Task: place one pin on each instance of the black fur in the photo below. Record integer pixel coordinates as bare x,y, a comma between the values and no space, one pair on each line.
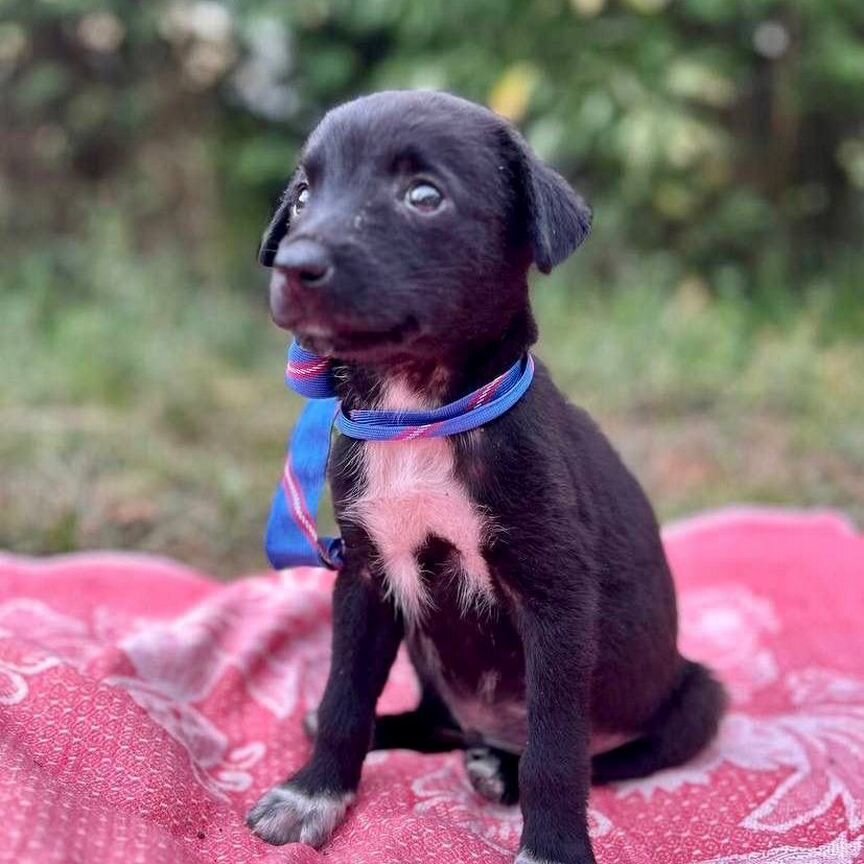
583,629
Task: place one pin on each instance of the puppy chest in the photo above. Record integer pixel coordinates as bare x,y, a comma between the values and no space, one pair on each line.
411,493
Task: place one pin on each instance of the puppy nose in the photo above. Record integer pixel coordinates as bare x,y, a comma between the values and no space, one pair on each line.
305,261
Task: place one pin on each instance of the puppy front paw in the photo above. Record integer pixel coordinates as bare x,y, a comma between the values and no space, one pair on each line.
286,814
525,857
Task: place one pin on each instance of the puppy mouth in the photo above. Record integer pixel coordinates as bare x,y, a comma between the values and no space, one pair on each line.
353,342
317,328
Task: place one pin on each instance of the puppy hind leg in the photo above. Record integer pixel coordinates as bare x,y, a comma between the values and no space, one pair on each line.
682,727
429,728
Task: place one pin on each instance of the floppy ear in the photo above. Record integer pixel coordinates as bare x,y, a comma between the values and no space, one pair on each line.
276,230
559,220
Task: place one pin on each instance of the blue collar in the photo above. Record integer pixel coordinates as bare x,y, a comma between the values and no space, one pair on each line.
292,538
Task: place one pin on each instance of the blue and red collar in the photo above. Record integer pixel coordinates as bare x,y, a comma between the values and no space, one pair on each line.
292,535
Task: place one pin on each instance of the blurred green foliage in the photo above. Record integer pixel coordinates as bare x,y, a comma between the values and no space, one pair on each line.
142,408
724,136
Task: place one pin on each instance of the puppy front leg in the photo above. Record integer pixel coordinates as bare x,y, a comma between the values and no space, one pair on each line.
555,769
366,635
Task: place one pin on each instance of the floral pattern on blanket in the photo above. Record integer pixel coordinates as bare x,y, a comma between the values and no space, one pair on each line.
138,695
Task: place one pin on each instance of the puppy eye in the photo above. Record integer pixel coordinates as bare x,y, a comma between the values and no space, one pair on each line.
424,197
300,201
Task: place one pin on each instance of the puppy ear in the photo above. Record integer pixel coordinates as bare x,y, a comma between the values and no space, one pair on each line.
559,219
275,231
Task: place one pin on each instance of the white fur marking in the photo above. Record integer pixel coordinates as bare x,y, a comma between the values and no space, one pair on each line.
411,492
488,683
525,857
602,742
287,815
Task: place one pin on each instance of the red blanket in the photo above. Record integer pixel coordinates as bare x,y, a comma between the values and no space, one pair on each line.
144,707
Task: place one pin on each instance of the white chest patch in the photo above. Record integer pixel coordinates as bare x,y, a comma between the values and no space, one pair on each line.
412,493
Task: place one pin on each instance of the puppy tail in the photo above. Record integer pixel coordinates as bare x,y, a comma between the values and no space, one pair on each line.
683,725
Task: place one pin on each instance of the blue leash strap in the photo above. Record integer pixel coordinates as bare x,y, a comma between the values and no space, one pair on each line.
292,530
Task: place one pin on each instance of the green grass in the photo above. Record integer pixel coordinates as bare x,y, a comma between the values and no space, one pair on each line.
142,404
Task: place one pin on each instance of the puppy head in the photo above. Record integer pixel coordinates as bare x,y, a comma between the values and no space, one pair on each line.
408,228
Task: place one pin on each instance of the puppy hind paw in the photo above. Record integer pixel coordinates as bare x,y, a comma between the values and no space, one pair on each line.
288,815
491,775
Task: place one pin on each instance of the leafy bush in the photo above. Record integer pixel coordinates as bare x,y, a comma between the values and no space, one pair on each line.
727,135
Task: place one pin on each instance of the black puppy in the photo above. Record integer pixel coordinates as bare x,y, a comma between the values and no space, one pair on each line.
521,561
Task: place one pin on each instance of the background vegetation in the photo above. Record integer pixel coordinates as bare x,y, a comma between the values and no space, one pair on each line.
713,323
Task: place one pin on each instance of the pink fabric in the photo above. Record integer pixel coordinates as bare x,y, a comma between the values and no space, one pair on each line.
143,708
